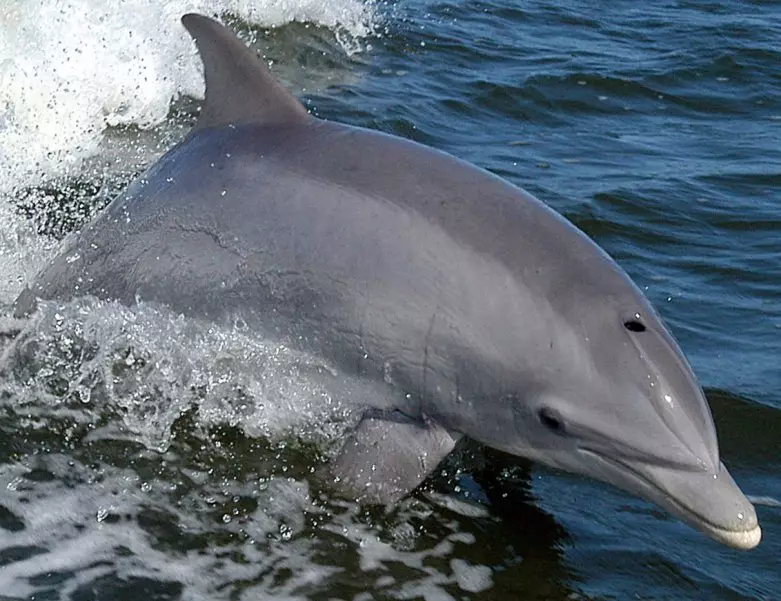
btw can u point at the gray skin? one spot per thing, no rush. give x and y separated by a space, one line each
467 306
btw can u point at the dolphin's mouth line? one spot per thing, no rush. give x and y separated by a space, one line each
686 513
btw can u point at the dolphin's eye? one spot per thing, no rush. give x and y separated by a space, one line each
634 325
551 420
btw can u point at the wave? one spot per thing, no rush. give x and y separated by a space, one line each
71 70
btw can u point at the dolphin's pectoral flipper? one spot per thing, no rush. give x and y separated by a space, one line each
388 455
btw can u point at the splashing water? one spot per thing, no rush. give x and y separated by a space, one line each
86 87
69 70
131 373
153 453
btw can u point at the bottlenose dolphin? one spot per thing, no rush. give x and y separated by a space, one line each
473 308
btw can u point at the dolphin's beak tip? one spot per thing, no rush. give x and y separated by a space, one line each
744 540
742 531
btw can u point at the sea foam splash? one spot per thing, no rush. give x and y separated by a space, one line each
69 70
125 373
73 71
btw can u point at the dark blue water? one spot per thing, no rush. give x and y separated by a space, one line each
653 126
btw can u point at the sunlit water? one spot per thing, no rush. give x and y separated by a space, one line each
148 456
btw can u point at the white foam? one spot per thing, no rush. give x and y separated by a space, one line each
471 578
71 70
68 522
432 568
86 521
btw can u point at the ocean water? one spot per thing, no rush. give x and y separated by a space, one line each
143 455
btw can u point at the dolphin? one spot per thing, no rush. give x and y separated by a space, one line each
471 308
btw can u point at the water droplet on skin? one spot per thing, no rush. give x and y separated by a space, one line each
226 519
741 516
387 370
102 514
146 487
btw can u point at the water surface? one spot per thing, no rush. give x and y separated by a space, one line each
143 455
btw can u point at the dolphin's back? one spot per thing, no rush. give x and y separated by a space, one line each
320 201
320 218
346 239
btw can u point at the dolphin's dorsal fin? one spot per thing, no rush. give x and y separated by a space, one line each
239 86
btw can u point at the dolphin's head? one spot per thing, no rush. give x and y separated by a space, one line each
614 398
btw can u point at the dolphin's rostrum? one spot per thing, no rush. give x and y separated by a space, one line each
473 308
